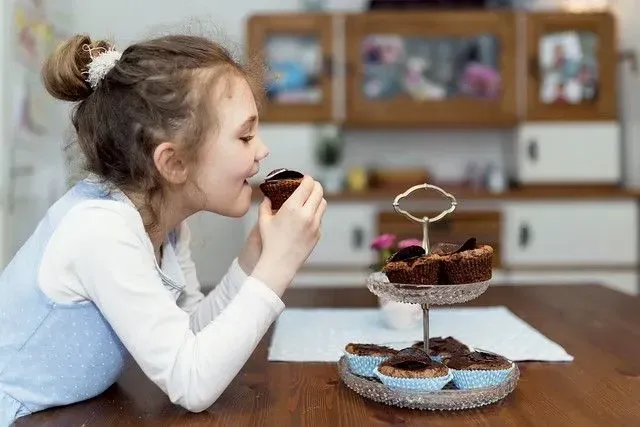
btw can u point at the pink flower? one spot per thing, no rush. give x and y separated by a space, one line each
383 241
409 242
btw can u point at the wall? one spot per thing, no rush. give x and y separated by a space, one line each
445 153
31 161
4 31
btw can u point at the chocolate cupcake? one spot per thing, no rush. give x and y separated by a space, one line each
478 369
364 358
412 369
412 266
279 185
468 263
441 348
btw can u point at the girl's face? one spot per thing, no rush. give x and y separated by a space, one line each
232 155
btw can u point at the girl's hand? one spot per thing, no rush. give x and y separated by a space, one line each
289 235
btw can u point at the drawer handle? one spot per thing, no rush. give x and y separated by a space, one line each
524 235
532 150
357 238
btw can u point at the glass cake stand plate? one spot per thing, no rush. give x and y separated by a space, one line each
379 284
448 399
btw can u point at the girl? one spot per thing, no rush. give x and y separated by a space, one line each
168 128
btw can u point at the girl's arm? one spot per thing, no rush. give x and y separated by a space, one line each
101 253
204 309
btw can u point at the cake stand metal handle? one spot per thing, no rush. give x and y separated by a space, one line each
425 221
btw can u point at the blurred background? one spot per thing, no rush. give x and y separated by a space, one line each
526 111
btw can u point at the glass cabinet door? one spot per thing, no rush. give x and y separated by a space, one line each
572 61
439 68
296 52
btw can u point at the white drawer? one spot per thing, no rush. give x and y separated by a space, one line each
347 230
594 233
569 153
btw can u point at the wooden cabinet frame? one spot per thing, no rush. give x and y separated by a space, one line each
454 112
518 35
603 26
260 27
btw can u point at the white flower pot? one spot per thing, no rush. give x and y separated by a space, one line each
332 179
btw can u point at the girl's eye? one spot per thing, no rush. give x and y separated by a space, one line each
246 138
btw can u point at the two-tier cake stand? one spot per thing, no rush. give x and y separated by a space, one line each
449 398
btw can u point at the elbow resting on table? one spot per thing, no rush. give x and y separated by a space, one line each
196 394
194 403
195 407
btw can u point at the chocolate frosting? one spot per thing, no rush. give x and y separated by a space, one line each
463 361
283 173
443 345
370 348
448 344
405 254
410 359
452 248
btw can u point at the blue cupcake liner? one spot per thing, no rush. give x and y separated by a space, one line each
476 378
420 384
438 359
364 366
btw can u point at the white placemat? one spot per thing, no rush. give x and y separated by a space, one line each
319 335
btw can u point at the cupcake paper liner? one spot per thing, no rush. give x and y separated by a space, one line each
364 366
475 378
420 384
279 191
467 269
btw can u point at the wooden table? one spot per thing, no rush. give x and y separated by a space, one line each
600 327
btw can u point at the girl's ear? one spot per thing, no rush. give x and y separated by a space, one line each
170 163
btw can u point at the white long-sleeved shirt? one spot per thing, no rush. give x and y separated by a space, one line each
192 347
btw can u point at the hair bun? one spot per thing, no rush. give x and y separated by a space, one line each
62 72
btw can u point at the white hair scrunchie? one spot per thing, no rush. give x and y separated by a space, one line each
101 63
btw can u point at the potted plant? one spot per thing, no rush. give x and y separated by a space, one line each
329 150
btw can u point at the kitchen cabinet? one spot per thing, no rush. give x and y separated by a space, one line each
579 153
536 241
439 69
572 65
577 234
347 231
431 69
454 228
297 52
